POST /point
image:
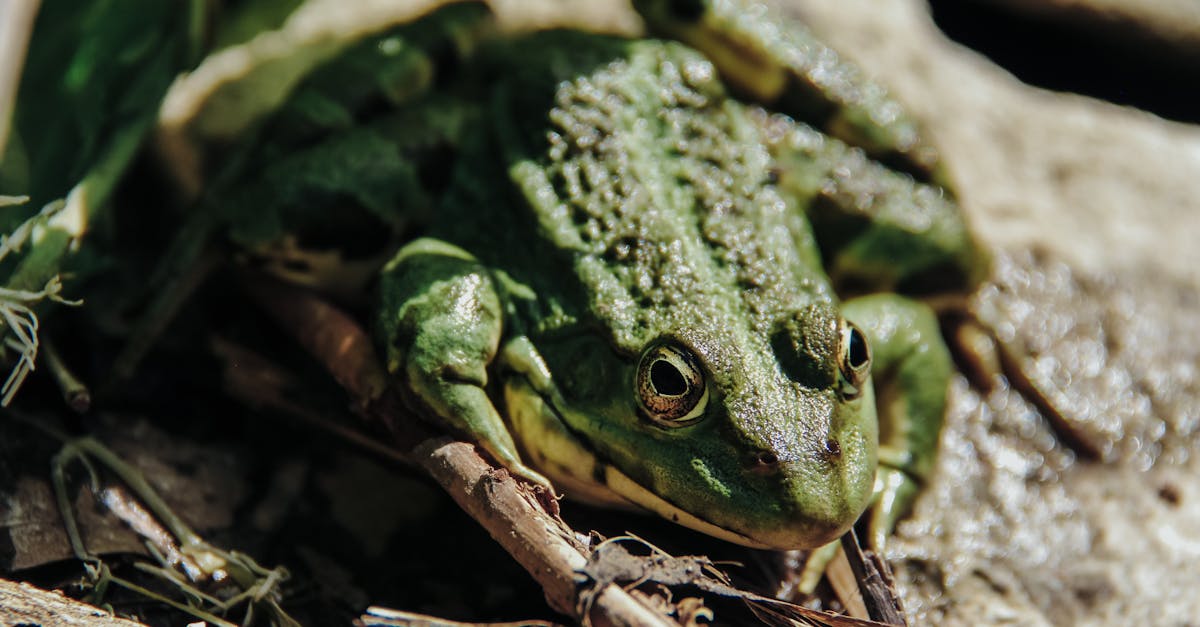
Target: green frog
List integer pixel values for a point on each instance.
(667, 274)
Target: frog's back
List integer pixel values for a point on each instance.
(649, 190)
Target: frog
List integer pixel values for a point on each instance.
(688, 274)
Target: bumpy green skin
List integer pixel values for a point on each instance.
(620, 199)
(781, 65)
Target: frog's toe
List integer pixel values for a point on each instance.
(532, 476)
(503, 452)
(815, 565)
(895, 491)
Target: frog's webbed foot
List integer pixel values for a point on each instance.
(442, 319)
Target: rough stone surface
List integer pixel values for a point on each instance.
(1015, 528)
(1103, 186)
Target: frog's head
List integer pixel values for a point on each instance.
(766, 439)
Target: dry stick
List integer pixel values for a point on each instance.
(74, 392)
(24, 604)
(385, 617)
(874, 582)
(260, 383)
(511, 511)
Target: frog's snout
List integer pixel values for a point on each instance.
(818, 486)
(767, 463)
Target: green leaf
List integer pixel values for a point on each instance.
(91, 71)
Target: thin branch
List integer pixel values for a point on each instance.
(519, 517)
(74, 392)
(385, 617)
(23, 604)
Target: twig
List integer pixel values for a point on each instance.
(513, 513)
(23, 604)
(260, 383)
(77, 395)
(874, 582)
(386, 617)
(335, 339)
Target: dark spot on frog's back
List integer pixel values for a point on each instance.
(624, 249)
(805, 344)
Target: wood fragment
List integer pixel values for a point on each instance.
(24, 604)
(386, 617)
(16, 28)
(874, 582)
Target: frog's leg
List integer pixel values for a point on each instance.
(911, 369)
(877, 229)
(779, 64)
(442, 320)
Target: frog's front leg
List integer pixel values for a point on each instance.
(878, 230)
(911, 370)
(441, 319)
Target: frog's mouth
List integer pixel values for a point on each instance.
(620, 483)
(564, 455)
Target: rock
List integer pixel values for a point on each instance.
(1101, 185)
(1015, 528)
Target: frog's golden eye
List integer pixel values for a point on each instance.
(670, 385)
(854, 360)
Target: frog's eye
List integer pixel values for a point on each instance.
(670, 385)
(854, 360)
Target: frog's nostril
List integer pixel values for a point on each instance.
(764, 463)
(832, 448)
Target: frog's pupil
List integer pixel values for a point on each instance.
(666, 379)
(858, 349)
